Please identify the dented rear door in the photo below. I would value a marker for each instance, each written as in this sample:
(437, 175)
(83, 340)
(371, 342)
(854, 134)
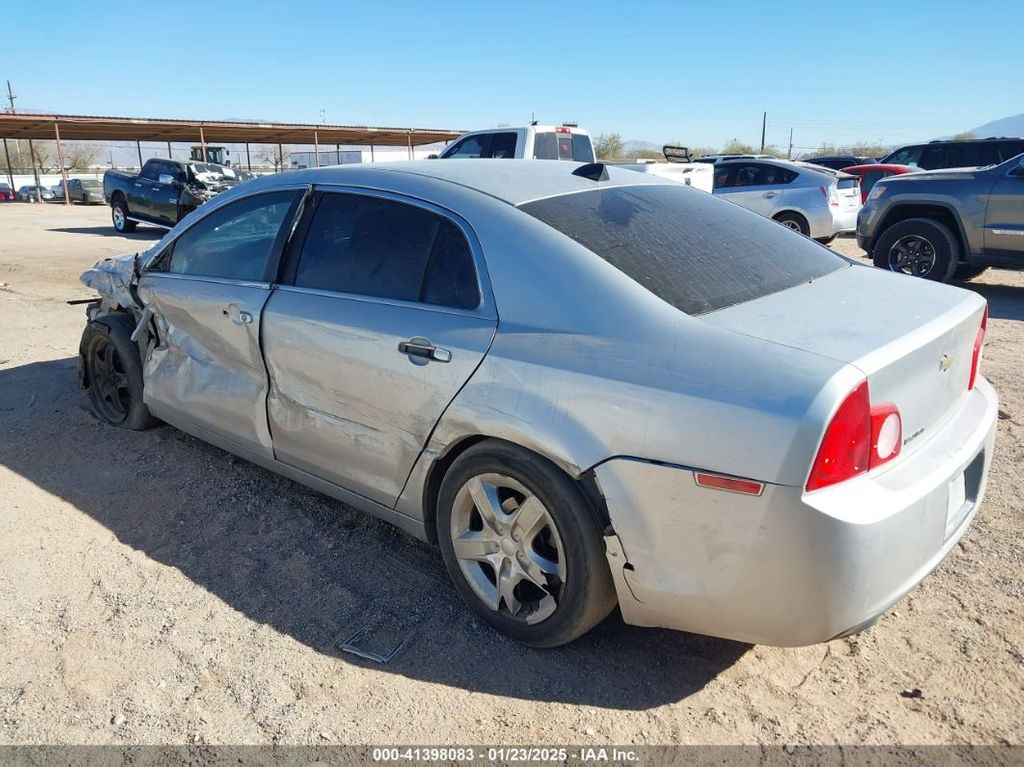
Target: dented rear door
(386, 317)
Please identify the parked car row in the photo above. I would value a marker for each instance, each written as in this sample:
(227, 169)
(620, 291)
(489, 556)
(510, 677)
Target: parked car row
(86, 191)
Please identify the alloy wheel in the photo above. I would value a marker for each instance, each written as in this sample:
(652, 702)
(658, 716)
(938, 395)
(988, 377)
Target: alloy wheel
(912, 254)
(508, 547)
(118, 215)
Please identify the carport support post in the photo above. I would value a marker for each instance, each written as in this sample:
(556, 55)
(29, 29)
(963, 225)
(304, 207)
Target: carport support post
(316, 147)
(169, 155)
(63, 170)
(138, 148)
(35, 170)
(202, 142)
(280, 157)
(409, 140)
(10, 170)
(248, 159)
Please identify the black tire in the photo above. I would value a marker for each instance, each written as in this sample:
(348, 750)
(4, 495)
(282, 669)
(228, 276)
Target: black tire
(919, 247)
(112, 373)
(585, 596)
(119, 216)
(794, 221)
(966, 273)
(826, 240)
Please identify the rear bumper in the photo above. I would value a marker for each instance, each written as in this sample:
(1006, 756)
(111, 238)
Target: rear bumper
(844, 221)
(791, 568)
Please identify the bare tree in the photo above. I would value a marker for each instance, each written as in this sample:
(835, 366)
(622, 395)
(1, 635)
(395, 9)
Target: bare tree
(274, 154)
(608, 146)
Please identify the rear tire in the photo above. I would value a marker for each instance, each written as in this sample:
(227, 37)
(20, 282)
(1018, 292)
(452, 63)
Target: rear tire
(794, 221)
(113, 373)
(119, 215)
(530, 558)
(919, 247)
(966, 273)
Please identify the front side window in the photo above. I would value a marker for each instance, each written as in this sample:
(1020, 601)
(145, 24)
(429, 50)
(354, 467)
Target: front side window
(470, 147)
(691, 249)
(910, 155)
(234, 241)
(375, 247)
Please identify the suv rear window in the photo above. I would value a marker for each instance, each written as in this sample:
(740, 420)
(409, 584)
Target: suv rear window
(691, 249)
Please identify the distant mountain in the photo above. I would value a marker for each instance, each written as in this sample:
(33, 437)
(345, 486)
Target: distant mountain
(1007, 126)
(631, 147)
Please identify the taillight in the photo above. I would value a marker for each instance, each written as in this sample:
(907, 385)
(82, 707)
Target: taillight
(979, 342)
(858, 438)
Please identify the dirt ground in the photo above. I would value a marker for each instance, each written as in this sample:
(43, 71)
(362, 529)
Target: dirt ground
(154, 589)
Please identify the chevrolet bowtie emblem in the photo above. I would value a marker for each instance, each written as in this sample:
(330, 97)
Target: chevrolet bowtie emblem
(945, 363)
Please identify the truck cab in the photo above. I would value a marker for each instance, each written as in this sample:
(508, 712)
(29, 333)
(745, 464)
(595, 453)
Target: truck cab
(533, 142)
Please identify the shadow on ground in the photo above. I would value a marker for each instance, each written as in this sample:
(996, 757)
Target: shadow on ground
(147, 233)
(311, 567)
(1005, 302)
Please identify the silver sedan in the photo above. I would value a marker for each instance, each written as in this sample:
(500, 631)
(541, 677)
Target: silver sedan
(586, 385)
(813, 200)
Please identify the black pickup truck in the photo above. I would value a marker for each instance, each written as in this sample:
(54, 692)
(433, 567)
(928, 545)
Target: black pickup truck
(164, 192)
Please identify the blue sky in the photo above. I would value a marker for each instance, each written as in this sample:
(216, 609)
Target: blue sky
(696, 72)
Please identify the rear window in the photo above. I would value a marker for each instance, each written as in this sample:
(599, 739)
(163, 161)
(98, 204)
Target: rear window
(692, 250)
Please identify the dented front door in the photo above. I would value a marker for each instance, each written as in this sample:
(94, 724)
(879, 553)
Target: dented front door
(206, 291)
(207, 368)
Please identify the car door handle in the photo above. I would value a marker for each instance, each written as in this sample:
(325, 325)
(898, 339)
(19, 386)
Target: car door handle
(769, 195)
(236, 315)
(421, 347)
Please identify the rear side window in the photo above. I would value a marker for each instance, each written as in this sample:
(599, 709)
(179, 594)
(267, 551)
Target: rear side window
(756, 174)
(691, 249)
(545, 147)
(582, 149)
(234, 241)
(1008, 149)
(503, 146)
(386, 249)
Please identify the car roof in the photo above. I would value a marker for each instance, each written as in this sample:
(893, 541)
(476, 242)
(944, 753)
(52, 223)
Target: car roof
(512, 181)
(879, 166)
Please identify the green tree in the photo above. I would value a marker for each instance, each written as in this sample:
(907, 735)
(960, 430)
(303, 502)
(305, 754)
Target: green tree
(962, 136)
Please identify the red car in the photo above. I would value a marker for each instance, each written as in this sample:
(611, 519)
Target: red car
(6, 193)
(871, 174)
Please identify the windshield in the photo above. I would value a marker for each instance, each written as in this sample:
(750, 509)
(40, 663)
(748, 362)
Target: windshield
(91, 184)
(691, 249)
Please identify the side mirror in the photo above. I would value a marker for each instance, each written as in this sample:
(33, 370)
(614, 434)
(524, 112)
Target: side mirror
(431, 156)
(166, 178)
(1019, 170)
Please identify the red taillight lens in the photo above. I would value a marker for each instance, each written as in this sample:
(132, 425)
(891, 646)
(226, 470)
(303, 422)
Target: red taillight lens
(979, 342)
(859, 437)
(846, 444)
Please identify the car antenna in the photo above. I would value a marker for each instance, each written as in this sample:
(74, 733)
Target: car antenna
(595, 171)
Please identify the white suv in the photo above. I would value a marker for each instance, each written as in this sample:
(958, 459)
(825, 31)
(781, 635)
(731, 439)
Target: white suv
(534, 142)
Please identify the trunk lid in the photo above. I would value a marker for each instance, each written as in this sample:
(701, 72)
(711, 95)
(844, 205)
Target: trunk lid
(848, 189)
(913, 339)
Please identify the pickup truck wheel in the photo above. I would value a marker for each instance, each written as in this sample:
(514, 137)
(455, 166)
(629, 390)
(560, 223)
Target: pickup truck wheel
(113, 373)
(794, 221)
(919, 247)
(965, 273)
(522, 546)
(119, 215)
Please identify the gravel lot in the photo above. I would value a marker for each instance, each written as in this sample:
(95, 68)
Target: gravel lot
(157, 590)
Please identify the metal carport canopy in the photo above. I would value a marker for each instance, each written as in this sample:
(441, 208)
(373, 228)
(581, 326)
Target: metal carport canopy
(90, 128)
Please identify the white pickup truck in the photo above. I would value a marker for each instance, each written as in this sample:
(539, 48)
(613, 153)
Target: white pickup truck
(569, 142)
(533, 142)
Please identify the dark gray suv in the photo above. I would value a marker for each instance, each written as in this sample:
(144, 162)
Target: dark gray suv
(956, 154)
(946, 224)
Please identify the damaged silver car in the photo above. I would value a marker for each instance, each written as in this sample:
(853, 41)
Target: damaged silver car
(588, 386)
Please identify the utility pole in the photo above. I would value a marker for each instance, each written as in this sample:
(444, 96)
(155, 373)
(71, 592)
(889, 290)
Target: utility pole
(17, 144)
(789, 152)
(764, 124)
